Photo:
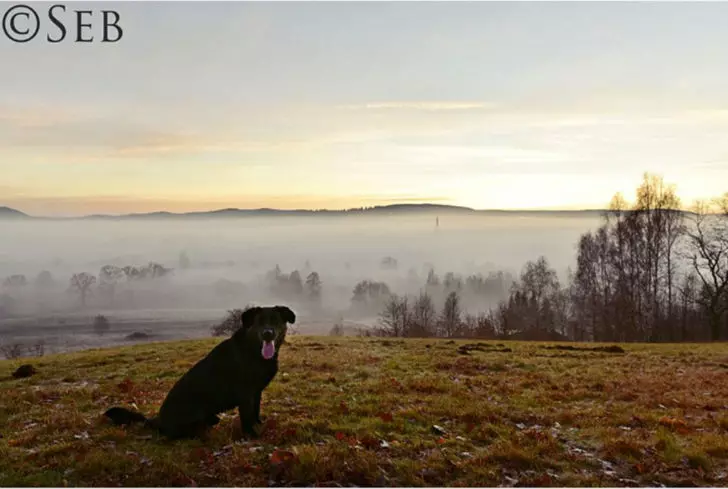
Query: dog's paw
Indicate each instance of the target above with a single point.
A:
(250, 434)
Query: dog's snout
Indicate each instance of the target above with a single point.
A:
(268, 335)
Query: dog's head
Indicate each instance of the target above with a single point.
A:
(265, 328)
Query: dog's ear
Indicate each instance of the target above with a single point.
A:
(248, 317)
(286, 314)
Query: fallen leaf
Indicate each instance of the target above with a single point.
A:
(369, 441)
(674, 423)
(126, 385)
(386, 417)
(281, 456)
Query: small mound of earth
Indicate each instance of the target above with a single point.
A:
(24, 371)
(605, 349)
(486, 347)
(138, 335)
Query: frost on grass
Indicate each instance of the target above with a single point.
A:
(358, 411)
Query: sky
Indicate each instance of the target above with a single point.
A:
(346, 104)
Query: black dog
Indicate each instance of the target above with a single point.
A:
(232, 375)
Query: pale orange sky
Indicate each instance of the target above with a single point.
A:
(338, 105)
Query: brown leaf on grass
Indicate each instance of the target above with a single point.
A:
(637, 421)
(369, 441)
(340, 436)
(202, 455)
(343, 407)
(674, 424)
(279, 457)
(441, 441)
(386, 417)
(126, 385)
(543, 480)
(249, 468)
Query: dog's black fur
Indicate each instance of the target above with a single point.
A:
(233, 375)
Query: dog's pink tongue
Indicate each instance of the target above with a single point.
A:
(269, 349)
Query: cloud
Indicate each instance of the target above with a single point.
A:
(34, 117)
(425, 105)
(176, 145)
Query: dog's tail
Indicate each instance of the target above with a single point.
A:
(122, 416)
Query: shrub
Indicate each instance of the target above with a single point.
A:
(231, 323)
(101, 324)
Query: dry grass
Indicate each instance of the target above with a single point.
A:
(359, 411)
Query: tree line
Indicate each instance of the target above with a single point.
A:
(83, 284)
(650, 272)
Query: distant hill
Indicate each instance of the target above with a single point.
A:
(232, 212)
(394, 209)
(8, 213)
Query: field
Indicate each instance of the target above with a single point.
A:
(363, 411)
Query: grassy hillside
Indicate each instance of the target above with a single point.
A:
(384, 412)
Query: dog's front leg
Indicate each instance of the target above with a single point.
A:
(256, 404)
(246, 412)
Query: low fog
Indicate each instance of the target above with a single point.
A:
(206, 267)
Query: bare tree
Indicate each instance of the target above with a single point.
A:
(155, 270)
(38, 349)
(623, 288)
(313, 287)
(424, 316)
(370, 296)
(81, 283)
(657, 205)
(15, 281)
(395, 318)
(11, 350)
(689, 290)
(337, 329)
(44, 280)
(232, 322)
(709, 259)
(450, 318)
(101, 324)
(109, 277)
(295, 284)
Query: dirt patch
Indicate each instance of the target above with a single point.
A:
(484, 347)
(603, 349)
(24, 371)
(138, 335)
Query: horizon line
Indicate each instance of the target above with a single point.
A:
(424, 205)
